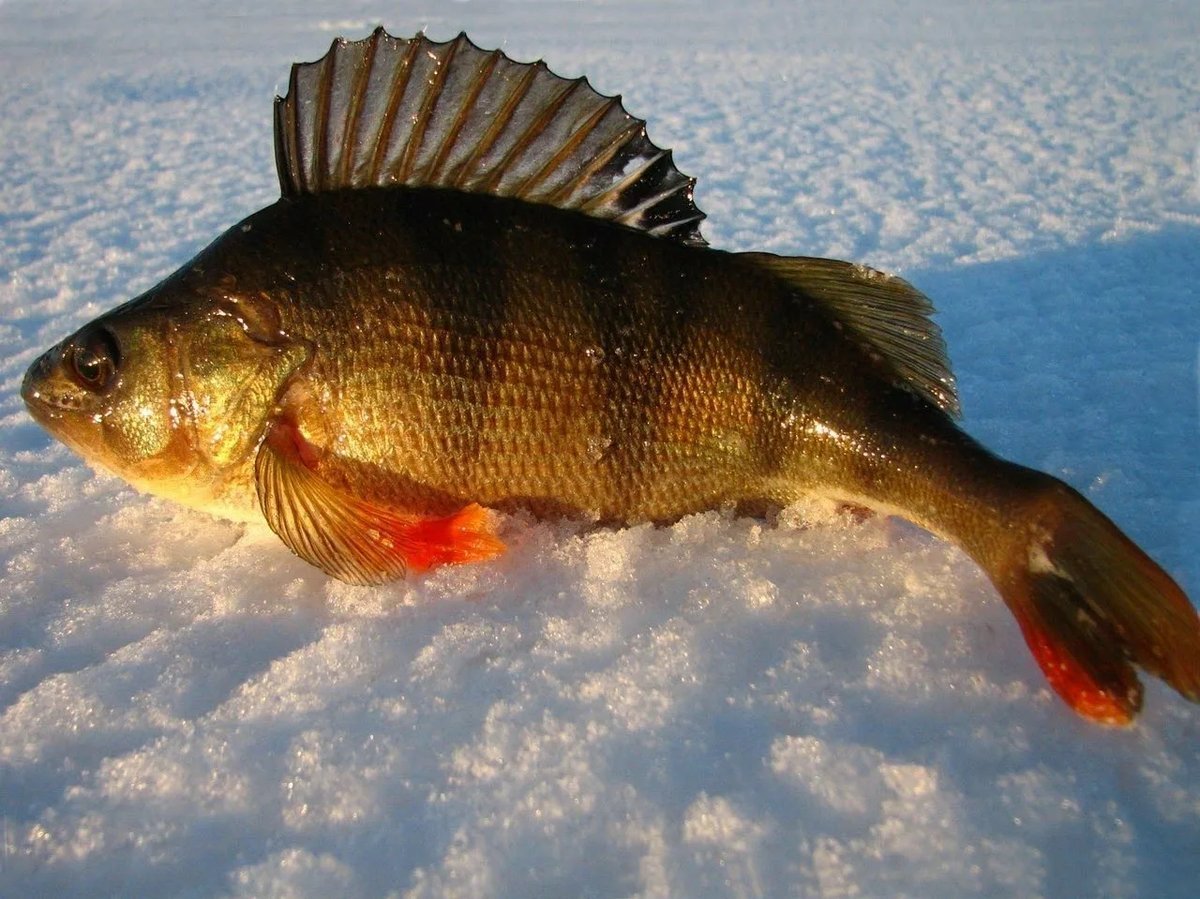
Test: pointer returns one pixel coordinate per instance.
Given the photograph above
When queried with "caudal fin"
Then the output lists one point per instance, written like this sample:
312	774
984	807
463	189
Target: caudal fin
1092	605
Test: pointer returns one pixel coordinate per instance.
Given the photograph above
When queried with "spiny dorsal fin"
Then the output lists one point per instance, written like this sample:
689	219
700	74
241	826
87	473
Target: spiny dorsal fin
884	311
388	112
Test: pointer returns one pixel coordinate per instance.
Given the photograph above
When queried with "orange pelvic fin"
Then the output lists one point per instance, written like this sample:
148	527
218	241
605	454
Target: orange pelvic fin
350	538
1092	605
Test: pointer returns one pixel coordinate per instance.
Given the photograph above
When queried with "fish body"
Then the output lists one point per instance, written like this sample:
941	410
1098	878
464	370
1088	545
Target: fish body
477	315
470	348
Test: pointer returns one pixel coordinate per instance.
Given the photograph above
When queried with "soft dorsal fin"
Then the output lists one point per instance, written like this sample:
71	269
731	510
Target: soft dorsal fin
885	312
388	112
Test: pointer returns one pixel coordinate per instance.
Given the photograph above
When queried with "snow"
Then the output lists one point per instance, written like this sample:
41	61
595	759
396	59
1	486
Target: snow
726	707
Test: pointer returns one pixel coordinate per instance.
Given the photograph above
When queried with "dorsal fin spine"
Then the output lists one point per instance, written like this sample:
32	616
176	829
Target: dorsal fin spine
603	158
569	146
285	149
291	136
629	178
652	201
563	191
549	114
669	229
499	121
416	139
361	77
321	148
489	183
484	71
387	122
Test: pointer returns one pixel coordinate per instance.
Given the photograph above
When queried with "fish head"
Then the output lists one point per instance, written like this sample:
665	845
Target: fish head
105	392
172	392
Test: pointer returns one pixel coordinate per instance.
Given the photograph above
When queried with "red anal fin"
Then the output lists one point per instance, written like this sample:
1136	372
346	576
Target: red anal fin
350	538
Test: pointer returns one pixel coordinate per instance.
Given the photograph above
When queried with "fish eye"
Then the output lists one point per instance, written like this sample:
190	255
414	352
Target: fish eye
94	357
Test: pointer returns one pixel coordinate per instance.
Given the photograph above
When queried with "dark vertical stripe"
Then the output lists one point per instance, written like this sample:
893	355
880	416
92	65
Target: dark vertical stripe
782	349
642	308
471	299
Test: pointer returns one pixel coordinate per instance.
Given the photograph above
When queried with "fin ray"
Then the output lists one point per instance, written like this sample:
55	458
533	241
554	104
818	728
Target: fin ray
512	162
356	103
469	98
397	77
569	147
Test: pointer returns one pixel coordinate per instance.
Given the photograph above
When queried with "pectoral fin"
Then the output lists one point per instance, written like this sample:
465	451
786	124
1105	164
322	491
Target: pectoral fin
352	539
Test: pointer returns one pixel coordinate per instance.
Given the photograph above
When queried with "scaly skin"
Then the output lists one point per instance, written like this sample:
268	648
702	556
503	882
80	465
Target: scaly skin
487	350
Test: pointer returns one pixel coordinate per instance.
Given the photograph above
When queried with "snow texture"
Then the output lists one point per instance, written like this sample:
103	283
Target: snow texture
720	708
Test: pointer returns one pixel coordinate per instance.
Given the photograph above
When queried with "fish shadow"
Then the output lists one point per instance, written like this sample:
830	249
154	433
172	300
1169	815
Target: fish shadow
1083	362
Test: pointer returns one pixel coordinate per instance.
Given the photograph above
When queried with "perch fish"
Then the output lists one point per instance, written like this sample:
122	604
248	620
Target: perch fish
483	287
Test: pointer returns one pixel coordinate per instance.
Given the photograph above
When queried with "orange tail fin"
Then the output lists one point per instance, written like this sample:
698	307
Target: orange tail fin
1091	605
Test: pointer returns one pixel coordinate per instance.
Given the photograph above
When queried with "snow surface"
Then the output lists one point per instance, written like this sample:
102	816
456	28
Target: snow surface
720	708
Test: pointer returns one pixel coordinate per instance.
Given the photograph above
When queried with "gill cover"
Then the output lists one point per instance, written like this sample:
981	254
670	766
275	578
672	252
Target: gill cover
233	363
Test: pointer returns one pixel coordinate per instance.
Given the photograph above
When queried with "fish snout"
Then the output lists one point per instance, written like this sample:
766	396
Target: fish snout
49	391
37	376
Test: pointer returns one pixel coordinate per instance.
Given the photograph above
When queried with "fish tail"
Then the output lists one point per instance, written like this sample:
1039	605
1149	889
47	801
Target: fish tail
1091	605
